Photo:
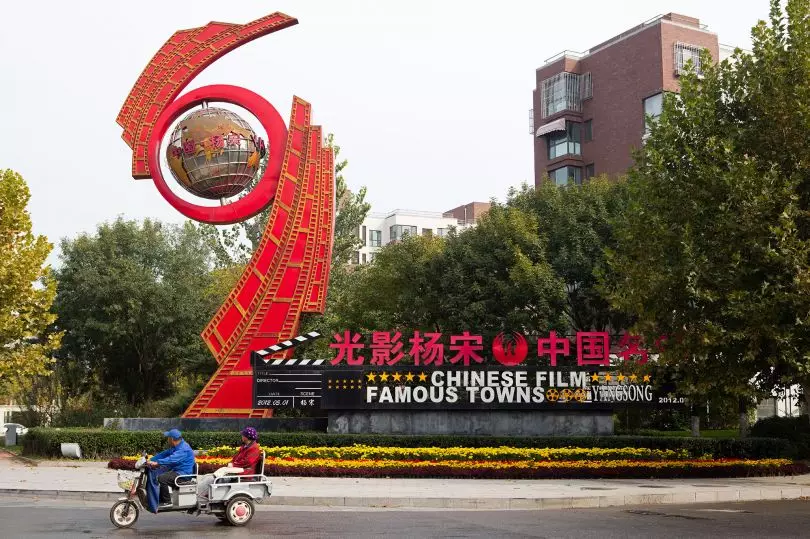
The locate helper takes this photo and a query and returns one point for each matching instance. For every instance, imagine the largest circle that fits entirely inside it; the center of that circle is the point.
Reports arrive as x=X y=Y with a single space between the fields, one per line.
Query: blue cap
x=173 y=434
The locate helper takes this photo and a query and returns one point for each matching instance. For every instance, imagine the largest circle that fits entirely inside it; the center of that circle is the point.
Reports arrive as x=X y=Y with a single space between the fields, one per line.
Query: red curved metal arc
x=173 y=67
x=264 y=191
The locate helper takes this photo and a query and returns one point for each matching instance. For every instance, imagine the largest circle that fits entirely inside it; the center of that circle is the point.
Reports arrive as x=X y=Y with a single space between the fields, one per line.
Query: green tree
x=713 y=249
x=492 y=278
x=26 y=289
x=497 y=277
x=132 y=300
x=577 y=227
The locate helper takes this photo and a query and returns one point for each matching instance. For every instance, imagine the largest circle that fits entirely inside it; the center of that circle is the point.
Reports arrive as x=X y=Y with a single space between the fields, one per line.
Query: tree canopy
x=132 y=299
x=26 y=289
x=713 y=248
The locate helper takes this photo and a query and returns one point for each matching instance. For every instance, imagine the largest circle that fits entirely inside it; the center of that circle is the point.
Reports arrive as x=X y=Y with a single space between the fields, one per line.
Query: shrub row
x=105 y=443
x=794 y=429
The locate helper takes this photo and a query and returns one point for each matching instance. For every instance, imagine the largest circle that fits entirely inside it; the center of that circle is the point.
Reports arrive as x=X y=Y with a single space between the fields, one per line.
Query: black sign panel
x=286 y=388
x=453 y=388
x=482 y=388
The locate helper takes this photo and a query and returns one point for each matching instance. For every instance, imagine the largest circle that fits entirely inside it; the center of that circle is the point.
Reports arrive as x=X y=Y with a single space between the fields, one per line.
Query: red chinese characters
x=428 y=348
x=427 y=352
x=346 y=345
x=553 y=346
x=593 y=348
x=385 y=348
x=466 y=345
x=630 y=346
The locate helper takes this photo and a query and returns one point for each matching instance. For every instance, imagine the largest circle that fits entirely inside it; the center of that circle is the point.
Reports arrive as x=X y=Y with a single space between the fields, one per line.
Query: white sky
x=428 y=99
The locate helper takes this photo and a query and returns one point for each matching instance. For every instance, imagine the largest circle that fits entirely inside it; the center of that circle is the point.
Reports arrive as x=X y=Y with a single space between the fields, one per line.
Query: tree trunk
x=695 y=423
x=743 y=410
x=806 y=391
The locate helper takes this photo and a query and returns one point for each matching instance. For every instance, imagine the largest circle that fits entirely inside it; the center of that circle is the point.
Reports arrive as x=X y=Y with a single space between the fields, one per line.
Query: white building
x=380 y=229
x=785 y=403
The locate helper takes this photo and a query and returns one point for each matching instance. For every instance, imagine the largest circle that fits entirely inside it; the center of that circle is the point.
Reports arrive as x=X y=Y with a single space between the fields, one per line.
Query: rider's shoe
x=164 y=504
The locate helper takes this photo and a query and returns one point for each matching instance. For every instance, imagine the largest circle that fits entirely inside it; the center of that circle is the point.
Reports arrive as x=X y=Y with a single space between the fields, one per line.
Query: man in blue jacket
x=177 y=460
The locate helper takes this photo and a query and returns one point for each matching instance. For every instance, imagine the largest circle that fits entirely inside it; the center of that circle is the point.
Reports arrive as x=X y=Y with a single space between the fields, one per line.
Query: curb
x=749 y=494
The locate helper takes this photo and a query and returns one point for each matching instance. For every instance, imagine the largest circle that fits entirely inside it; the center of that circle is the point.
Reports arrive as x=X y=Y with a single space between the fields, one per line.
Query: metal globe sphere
x=213 y=153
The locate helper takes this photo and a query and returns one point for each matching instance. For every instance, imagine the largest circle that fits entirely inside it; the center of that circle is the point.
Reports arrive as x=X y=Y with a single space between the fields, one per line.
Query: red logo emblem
x=512 y=352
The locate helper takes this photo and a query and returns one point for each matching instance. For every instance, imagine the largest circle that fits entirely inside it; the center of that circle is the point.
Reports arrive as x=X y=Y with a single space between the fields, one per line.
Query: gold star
x=409 y=377
x=384 y=377
x=634 y=378
x=397 y=377
x=608 y=378
x=371 y=377
x=621 y=378
x=595 y=377
x=344 y=387
x=422 y=377
x=647 y=378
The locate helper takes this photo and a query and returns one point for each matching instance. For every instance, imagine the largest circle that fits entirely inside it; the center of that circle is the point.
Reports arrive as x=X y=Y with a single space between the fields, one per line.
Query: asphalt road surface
x=31 y=518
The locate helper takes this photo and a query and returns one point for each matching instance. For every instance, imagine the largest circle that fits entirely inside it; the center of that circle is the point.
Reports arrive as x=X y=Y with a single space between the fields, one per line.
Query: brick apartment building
x=468 y=213
x=589 y=108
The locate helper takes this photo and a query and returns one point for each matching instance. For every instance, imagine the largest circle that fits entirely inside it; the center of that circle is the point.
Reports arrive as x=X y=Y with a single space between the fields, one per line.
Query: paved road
x=32 y=518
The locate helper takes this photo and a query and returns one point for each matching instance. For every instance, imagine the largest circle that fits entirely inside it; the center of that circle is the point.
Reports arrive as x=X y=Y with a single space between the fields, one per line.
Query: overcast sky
x=428 y=99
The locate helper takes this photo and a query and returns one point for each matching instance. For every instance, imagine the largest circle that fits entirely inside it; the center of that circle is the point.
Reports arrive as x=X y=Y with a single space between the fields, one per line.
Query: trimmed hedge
x=105 y=443
x=793 y=429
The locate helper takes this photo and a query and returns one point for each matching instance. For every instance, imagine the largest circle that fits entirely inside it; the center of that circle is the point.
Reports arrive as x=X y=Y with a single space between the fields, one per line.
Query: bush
x=794 y=429
x=101 y=443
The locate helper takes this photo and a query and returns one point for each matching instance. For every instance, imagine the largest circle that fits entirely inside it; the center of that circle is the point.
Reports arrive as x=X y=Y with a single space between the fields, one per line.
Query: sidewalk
x=93 y=481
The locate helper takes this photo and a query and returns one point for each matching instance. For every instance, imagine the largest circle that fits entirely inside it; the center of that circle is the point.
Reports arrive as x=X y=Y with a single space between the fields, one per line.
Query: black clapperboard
x=286 y=383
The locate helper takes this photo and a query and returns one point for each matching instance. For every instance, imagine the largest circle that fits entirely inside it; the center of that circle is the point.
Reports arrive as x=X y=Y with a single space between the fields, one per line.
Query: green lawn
x=16 y=449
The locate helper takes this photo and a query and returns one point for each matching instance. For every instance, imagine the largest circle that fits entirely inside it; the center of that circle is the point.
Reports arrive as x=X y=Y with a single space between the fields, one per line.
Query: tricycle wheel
x=124 y=513
x=239 y=510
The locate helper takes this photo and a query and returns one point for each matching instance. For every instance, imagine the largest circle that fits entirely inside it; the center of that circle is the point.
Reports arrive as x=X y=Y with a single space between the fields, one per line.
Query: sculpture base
x=472 y=422
x=222 y=424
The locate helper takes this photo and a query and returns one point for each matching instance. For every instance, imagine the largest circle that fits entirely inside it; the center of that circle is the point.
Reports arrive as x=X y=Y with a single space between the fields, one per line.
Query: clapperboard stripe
x=298 y=362
x=286 y=345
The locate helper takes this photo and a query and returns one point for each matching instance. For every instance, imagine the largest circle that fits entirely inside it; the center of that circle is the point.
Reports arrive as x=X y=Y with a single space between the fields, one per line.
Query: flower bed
x=493 y=463
x=461 y=453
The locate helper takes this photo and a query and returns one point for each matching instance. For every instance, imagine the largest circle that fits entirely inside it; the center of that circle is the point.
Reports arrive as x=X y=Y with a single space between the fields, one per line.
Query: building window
x=427 y=231
x=653 y=106
x=564 y=142
x=588 y=130
x=441 y=232
x=356 y=257
x=375 y=238
x=684 y=53
x=363 y=237
x=566 y=175
x=589 y=171
x=587 y=86
x=364 y=258
x=560 y=92
x=398 y=232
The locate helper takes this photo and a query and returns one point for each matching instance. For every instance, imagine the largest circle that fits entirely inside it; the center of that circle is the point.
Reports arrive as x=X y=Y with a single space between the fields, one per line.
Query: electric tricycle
x=232 y=497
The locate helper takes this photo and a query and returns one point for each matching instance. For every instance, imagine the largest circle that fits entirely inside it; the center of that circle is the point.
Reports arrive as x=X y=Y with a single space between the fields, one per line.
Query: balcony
x=560 y=92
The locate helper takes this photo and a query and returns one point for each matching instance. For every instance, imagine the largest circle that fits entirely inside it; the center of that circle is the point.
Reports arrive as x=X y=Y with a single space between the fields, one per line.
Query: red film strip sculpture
x=289 y=272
